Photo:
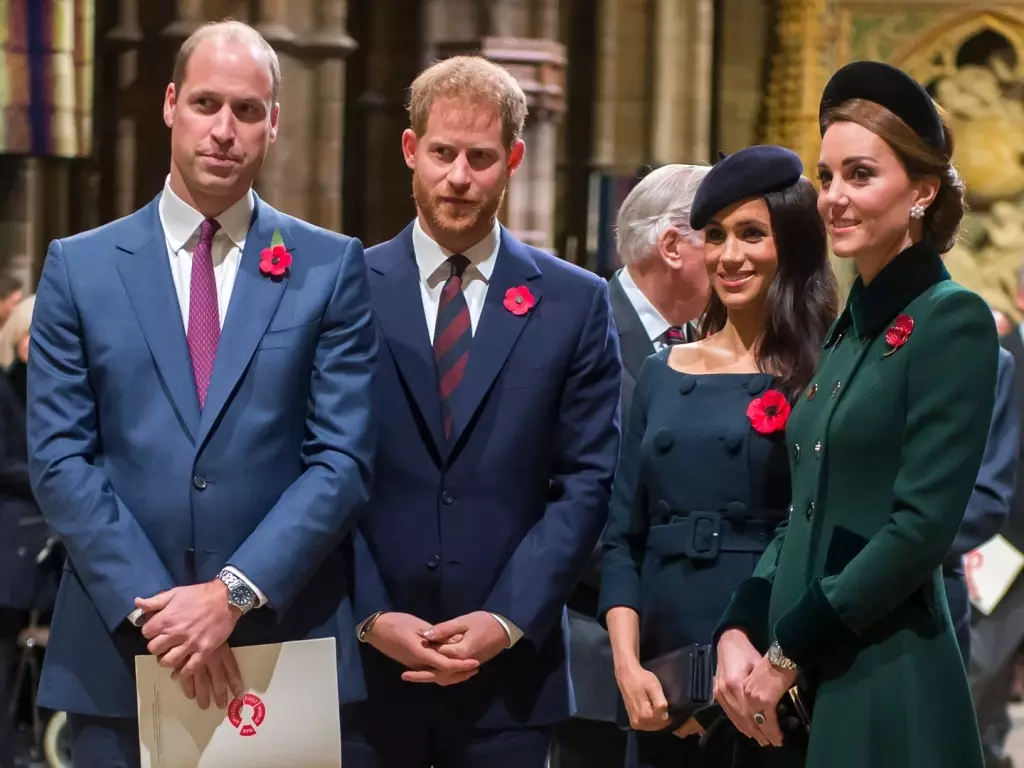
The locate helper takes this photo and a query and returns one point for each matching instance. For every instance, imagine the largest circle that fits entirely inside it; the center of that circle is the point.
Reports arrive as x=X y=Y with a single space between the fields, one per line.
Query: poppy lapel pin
x=519 y=300
x=275 y=261
x=769 y=413
x=898 y=333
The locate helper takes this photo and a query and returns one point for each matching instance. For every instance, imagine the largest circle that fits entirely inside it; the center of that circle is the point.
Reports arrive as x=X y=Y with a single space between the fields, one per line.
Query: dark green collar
x=871 y=308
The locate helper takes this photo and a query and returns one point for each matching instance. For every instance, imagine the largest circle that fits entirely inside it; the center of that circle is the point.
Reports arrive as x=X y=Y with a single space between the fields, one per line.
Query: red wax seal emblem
x=259 y=713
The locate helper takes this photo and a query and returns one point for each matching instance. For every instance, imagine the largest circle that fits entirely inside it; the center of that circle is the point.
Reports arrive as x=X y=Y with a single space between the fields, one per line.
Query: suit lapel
x=497 y=330
x=146 y=273
x=399 y=308
x=634 y=343
x=254 y=300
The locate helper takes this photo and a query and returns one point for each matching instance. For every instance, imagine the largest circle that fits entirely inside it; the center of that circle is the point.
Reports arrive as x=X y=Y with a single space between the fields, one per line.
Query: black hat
x=751 y=172
x=889 y=87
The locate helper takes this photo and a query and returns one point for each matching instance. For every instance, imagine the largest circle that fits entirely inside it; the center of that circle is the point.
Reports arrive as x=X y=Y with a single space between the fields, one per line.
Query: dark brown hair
x=919 y=159
x=802 y=297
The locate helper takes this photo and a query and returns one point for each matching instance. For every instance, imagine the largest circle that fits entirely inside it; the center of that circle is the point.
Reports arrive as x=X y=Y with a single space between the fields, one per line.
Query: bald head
x=229 y=31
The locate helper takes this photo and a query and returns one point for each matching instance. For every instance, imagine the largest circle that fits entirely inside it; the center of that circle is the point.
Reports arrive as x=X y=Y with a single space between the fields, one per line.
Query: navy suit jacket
x=989 y=505
x=502 y=517
x=149 y=492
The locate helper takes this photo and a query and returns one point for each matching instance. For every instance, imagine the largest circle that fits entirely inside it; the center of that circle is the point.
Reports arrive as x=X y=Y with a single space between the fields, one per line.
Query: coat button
x=735 y=508
x=796 y=453
x=790 y=509
x=817 y=448
x=687 y=385
x=433 y=562
x=812 y=391
x=199 y=483
x=447 y=498
x=810 y=510
x=836 y=387
x=663 y=441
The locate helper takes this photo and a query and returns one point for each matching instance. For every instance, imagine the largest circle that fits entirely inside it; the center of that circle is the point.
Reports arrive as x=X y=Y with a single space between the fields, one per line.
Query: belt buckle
x=701 y=550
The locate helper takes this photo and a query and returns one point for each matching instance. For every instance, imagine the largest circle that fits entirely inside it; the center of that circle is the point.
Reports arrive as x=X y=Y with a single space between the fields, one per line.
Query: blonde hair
x=469 y=80
x=229 y=29
x=15 y=329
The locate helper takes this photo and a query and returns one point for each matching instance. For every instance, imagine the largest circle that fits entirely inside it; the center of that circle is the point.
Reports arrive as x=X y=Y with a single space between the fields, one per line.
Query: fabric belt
x=702 y=535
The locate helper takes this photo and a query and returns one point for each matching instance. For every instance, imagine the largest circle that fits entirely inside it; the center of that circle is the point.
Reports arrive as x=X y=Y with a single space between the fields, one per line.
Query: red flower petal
x=519 y=300
x=769 y=413
x=898 y=333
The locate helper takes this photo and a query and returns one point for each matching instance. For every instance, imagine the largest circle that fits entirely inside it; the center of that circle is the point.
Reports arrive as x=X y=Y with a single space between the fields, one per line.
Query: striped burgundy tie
x=452 y=336
x=674 y=335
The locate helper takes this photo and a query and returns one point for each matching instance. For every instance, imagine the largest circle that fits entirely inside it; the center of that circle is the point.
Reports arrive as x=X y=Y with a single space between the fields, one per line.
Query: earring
x=917 y=211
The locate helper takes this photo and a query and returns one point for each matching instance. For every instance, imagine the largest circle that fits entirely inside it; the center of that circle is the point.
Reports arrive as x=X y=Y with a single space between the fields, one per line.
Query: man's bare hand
x=400 y=637
x=475 y=636
x=218 y=678
x=186 y=624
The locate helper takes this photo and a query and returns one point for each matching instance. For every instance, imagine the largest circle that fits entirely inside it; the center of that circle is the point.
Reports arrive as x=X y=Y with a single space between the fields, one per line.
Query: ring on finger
x=759 y=718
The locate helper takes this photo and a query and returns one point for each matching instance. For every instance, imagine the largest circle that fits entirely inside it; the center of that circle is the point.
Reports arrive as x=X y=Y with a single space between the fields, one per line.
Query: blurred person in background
x=25 y=585
x=655 y=298
x=11 y=294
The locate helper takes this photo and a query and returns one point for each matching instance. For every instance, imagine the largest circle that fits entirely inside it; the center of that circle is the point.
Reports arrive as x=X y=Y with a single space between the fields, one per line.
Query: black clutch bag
x=794 y=713
x=687 y=678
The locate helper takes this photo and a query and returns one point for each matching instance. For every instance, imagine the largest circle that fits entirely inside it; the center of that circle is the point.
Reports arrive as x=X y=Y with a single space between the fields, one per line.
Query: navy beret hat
x=889 y=87
x=750 y=172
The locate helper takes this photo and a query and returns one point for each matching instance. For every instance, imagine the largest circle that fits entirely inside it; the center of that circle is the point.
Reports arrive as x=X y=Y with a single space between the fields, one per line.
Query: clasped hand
x=187 y=629
x=747 y=684
x=444 y=654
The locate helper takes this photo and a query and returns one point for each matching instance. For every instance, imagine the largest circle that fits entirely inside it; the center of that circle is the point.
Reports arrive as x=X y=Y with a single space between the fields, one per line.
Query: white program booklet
x=990 y=571
x=287 y=717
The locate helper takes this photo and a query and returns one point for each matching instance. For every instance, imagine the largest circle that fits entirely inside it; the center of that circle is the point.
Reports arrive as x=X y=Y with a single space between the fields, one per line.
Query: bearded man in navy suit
x=498 y=395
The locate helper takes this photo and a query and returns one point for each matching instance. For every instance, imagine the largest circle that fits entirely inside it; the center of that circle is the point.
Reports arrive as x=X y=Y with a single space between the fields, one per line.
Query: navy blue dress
x=697 y=497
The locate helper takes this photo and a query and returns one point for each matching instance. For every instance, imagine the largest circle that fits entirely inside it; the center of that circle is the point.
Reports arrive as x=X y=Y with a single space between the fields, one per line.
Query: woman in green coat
x=884 y=448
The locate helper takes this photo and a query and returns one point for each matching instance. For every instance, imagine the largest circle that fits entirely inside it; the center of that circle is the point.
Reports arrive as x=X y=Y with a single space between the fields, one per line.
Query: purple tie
x=203 y=316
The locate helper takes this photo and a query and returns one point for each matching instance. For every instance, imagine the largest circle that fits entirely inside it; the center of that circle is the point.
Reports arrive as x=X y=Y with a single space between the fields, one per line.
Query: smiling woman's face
x=740 y=254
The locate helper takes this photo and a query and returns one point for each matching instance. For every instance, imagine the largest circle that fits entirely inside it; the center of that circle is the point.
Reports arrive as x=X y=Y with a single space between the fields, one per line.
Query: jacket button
x=836 y=387
x=789 y=509
x=447 y=498
x=810 y=510
x=433 y=562
x=796 y=453
x=812 y=391
x=199 y=483
x=817 y=448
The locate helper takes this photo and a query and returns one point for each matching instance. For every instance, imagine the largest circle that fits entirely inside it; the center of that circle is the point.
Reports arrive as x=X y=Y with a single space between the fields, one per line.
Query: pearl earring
x=917 y=211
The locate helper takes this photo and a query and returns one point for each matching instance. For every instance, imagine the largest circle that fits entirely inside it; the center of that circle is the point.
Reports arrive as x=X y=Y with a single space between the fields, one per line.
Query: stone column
x=683 y=32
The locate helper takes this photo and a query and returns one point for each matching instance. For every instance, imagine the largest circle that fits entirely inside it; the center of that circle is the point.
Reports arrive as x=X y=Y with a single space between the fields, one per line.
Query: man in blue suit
x=199 y=416
x=498 y=398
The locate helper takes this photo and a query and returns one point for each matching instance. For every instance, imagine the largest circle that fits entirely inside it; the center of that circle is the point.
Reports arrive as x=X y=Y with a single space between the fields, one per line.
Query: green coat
x=884 y=450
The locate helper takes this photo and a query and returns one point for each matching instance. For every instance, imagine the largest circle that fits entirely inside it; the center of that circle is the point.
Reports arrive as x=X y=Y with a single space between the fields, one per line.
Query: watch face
x=242 y=595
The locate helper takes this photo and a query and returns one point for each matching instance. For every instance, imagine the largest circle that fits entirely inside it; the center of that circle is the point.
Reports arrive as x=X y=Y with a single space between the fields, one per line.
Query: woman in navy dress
x=703 y=477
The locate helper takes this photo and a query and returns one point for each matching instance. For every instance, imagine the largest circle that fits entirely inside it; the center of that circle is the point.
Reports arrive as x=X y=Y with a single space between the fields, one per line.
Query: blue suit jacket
x=504 y=516
x=148 y=492
x=989 y=505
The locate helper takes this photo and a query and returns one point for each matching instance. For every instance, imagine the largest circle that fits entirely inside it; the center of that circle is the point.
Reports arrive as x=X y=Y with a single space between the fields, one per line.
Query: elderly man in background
x=655 y=297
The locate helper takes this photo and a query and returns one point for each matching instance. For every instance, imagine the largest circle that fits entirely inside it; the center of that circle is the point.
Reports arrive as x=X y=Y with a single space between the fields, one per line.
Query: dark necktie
x=203 y=313
x=674 y=335
x=453 y=335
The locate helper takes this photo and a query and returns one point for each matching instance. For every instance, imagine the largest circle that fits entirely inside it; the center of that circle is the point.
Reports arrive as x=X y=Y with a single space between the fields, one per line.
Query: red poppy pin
x=898 y=333
x=519 y=300
x=275 y=261
x=769 y=413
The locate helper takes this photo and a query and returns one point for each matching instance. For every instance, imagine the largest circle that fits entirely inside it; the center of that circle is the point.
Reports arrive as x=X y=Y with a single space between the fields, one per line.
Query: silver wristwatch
x=240 y=594
x=778 y=659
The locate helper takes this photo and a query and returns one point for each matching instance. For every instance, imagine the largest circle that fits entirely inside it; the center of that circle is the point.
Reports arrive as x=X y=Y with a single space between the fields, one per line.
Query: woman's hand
x=737 y=658
x=763 y=690
x=644 y=699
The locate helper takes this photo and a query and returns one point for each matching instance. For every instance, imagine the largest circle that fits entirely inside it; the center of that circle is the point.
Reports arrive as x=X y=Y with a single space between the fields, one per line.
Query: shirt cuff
x=261 y=599
x=135 y=617
x=515 y=634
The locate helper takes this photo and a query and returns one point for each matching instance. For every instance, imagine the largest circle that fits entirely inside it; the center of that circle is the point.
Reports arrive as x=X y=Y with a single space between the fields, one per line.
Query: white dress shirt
x=180 y=223
x=650 y=317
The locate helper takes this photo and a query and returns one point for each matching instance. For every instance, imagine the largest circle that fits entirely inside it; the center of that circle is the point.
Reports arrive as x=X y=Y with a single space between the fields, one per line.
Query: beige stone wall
x=745 y=33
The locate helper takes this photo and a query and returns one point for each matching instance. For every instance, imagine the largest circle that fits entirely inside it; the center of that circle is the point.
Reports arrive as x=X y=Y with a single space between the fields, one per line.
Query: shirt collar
x=181 y=221
x=432 y=258
x=650 y=317
x=870 y=308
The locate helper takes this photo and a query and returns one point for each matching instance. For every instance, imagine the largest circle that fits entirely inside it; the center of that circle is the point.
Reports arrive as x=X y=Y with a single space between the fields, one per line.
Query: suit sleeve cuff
x=261 y=599
x=812 y=628
x=135 y=617
x=515 y=634
x=748 y=611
